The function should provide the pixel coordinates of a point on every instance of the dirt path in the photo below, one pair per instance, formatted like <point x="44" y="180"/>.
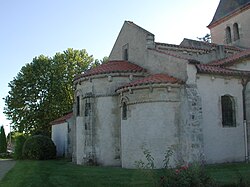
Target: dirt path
<point x="5" y="166"/>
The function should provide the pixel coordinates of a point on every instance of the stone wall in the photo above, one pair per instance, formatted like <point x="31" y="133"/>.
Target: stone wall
<point x="190" y="129"/>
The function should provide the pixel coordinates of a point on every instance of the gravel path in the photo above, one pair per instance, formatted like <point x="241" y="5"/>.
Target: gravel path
<point x="5" y="166"/>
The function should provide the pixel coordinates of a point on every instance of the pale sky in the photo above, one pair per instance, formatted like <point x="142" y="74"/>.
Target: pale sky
<point x="30" y="28"/>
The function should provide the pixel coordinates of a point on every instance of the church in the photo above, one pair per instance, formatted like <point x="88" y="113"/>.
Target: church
<point x="192" y="98"/>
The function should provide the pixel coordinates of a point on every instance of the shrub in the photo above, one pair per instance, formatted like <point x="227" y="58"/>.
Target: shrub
<point x="19" y="142"/>
<point x="39" y="147"/>
<point x="3" y="142"/>
<point x="193" y="175"/>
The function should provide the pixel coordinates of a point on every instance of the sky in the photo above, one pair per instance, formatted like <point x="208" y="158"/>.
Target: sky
<point x="30" y="28"/>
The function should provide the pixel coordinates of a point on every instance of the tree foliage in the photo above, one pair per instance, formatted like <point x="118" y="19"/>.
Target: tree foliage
<point x="206" y="38"/>
<point x="3" y="141"/>
<point x="43" y="91"/>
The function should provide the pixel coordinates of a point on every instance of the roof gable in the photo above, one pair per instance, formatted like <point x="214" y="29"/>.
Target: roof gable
<point x="227" y="7"/>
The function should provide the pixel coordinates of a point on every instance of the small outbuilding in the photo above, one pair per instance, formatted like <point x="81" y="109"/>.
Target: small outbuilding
<point x="61" y="135"/>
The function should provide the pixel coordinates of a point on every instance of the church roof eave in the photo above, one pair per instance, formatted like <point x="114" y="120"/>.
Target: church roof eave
<point x="151" y="80"/>
<point x="111" y="67"/>
<point x="216" y="70"/>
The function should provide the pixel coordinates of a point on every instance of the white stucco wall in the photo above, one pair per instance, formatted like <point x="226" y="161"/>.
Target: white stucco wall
<point x="152" y="123"/>
<point x="221" y="144"/>
<point x="107" y="128"/>
<point x="60" y="138"/>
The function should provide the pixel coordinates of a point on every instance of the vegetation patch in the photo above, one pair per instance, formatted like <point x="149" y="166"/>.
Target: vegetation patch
<point x="62" y="173"/>
<point x="39" y="147"/>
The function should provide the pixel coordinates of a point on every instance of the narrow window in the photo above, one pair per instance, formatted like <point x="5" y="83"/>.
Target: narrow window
<point x="236" y="31"/>
<point x="87" y="108"/>
<point x="228" y="35"/>
<point x="125" y="52"/>
<point x="228" y="111"/>
<point x="78" y="105"/>
<point x="124" y="111"/>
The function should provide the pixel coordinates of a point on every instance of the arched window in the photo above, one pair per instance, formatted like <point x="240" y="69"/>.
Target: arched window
<point x="236" y="31"/>
<point x="124" y="111"/>
<point x="228" y="35"/>
<point x="228" y="111"/>
<point x="78" y="105"/>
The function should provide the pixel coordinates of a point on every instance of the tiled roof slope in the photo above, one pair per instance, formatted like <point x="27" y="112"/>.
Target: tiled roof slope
<point x="226" y="7"/>
<point x="232" y="59"/>
<point x="112" y="67"/>
<point x="153" y="79"/>
<point x="220" y="66"/>
<point x="62" y="119"/>
<point x="204" y="68"/>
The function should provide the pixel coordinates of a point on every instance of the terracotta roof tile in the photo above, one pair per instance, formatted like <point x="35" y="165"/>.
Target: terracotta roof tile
<point x="232" y="59"/>
<point x="170" y="54"/>
<point x="204" y="68"/>
<point x="112" y="67"/>
<point x="62" y="119"/>
<point x="153" y="79"/>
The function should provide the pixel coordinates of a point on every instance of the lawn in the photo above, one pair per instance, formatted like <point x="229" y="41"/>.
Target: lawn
<point x="62" y="173"/>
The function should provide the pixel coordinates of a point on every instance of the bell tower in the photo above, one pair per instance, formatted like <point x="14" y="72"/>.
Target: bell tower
<point x="231" y="23"/>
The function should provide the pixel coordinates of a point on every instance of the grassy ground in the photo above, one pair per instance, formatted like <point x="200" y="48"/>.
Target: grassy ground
<point x="62" y="173"/>
<point x="230" y="173"/>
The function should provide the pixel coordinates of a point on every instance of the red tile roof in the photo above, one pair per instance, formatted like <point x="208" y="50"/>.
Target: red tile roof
<point x="153" y="79"/>
<point x="62" y="119"/>
<point x="220" y="66"/>
<point x="232" y="59"/>
<point x="205" y="68"/>
<point x="170" y="54"/>
<point x="112" y="67"/>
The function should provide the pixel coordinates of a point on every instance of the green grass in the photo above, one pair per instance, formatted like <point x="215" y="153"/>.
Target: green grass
<point x="65" y="174"/>
<point x="61" y="173"/>
<point x="230" y="173"/>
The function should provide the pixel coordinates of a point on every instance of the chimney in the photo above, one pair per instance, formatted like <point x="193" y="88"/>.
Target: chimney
<point x="150" y="41"/>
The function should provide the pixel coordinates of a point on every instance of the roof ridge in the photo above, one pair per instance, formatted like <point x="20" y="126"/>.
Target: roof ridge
<point x="170" y="54"/>
<point x="135" y="25"/>
<point x="180" y="46"/>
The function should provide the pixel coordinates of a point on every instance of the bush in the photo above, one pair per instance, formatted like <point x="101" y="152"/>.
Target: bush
<point x="19" y="142"/>
<point x="3" y="141"/>
<point x="39" y="147"/>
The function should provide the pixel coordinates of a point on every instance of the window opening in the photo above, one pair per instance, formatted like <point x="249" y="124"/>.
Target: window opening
<point x="78" y="105"/>
<point x="236" y="31"/>
<point x="125" y="52"/>
<point x="228" y="111"/>
<point x="228" y="35"/>
<point x="87" y="108"/>
<point x="124" y="111"/>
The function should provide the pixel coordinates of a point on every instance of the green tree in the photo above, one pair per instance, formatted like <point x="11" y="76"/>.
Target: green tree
<point x="99" y="62"/>
<point x="206" y="38"/>
<point x="43" y="90"/>
<point x="3" y="142"/>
